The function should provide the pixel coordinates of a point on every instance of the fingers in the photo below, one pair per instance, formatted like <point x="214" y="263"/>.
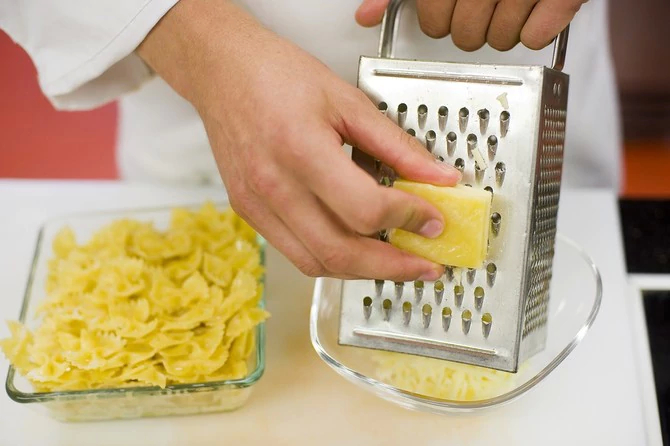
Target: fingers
<point x="375" y="134"/>
<point x="342" y="252"/>
<point x="470" y="23"/>
<point x="548" y="19"/>
<point x="371" y="12"/>
<point x="435" y="16"/>
<point x="508" y="20"/>
<point x="279" y="236"/>
<point x="362" y="204"/>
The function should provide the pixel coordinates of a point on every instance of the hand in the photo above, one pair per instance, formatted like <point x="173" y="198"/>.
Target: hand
<point x="276" y="120"/>
<point x="472" y="23"/>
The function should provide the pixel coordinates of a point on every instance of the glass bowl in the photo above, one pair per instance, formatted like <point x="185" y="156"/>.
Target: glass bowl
<point x="576" y="293"/>
<point x="129" y="402"/>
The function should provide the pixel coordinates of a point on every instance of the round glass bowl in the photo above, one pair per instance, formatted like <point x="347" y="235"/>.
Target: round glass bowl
<point x="575" y="297"/>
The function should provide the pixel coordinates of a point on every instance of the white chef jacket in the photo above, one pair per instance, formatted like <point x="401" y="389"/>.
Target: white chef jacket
<point x="84" y="54"/>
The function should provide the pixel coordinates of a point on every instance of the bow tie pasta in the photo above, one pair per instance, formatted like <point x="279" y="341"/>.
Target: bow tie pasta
<point x="135" y="306"/>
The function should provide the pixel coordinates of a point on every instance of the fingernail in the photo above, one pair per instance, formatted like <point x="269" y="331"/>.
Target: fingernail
<point x="430" y="276"/>
<point x="432" y="229"/>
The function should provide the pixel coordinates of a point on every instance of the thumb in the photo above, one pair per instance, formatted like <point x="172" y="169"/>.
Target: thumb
<point x="371" y="12"/>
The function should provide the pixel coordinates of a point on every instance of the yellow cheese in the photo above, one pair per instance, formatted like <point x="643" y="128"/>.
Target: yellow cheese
<point x="466" y="211"/>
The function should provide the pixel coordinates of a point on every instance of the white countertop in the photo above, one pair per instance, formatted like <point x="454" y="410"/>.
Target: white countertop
<point x="593" y="398"/>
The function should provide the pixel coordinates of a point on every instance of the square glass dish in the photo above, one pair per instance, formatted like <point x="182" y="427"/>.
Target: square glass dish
<point x="128" y="402"/>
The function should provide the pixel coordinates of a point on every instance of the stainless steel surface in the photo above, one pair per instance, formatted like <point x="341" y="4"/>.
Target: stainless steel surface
<point x="492" y="143"/>
<point x="471" y="275"/>
<point x="452" y="138"/>
<point x="430" y="140"/>
<point x="418" y="290"/>
<point x="446" y="318"/>
<point x="491" y="271"/>
<point x="484" y="116"/>
<point x="525" y="147"/>
<point x="442" y="116"/>
<point x="459" y="292"/>
<point x="422" y="112"/>
<point x="399" y="286"/>
<point x="438" y="289"/>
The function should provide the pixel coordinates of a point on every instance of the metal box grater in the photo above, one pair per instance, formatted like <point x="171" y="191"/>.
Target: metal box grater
<point x="503" y="126"/>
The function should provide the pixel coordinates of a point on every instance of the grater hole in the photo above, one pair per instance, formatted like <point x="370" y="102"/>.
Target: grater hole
<point x="504" y="123"/>
<point x="451" y="143"/>
<point x="449" y="273"/>
<point x="386" y="309"/>
<point x="422" y="113"/>
<point x="492" y="143"/>
<point x="430" y="140"/>
<point x="402" y="114"/>
<point x="406" y="312"/>
<point x="459" y="292"/>
<point x="487" y="321"/>
<point x="367" y="307"/>
<point x="459" y="164"/>
<point x="383" y="107"/>
<point x="443" y="112"/>
<point x="412" y="132"/>
<point x="466" y="317"/>
<point x="496" y="219"/>
<point x="491" y="271"/>
<point x="463" y="115"/>
<point x="483" y="120"/>
<point x="479" y="298"/>
<point x="446" y="318"/>
<point x="471" y="275"/>
<point x="426" y="312"/>
<point x="489" y="189"/>
<point x="379" y="284"/>
<point x="500" y="170"/>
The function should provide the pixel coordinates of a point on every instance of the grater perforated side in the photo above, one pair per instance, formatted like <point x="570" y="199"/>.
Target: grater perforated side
<point x="503" y="126"/>
<point x="551" y="142"/>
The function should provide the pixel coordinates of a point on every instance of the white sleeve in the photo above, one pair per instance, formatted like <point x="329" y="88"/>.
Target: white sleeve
<point x="83" y="50"/>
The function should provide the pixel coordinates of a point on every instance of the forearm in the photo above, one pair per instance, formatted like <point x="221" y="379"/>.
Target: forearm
<point x="198" y="40"/>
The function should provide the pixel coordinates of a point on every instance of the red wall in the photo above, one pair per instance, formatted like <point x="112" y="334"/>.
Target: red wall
<point x="36" y="141"/>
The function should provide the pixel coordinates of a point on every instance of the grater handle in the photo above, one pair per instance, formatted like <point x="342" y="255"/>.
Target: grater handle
<point x="389" y="31"/>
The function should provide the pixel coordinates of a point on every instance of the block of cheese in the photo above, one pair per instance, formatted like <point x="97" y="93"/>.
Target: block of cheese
<point x="466" y="211"/>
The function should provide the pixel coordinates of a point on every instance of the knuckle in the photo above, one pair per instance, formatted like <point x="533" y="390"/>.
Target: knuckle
<point x="373" y="219"/>
<point x="263" y="180"/>
<point x="239" y="200"/>
<point x="501" y="44"/>
<point x="336" y="260"/>
<point x="310" y="268"/>
<point x="468" y="44"/>
<point x="433" y="28"/>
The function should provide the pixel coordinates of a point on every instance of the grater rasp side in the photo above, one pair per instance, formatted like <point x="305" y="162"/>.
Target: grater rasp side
<point x="504" y="127"/>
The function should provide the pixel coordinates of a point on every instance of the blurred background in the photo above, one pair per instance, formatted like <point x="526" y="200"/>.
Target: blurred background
<point x="38" y="142"/>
